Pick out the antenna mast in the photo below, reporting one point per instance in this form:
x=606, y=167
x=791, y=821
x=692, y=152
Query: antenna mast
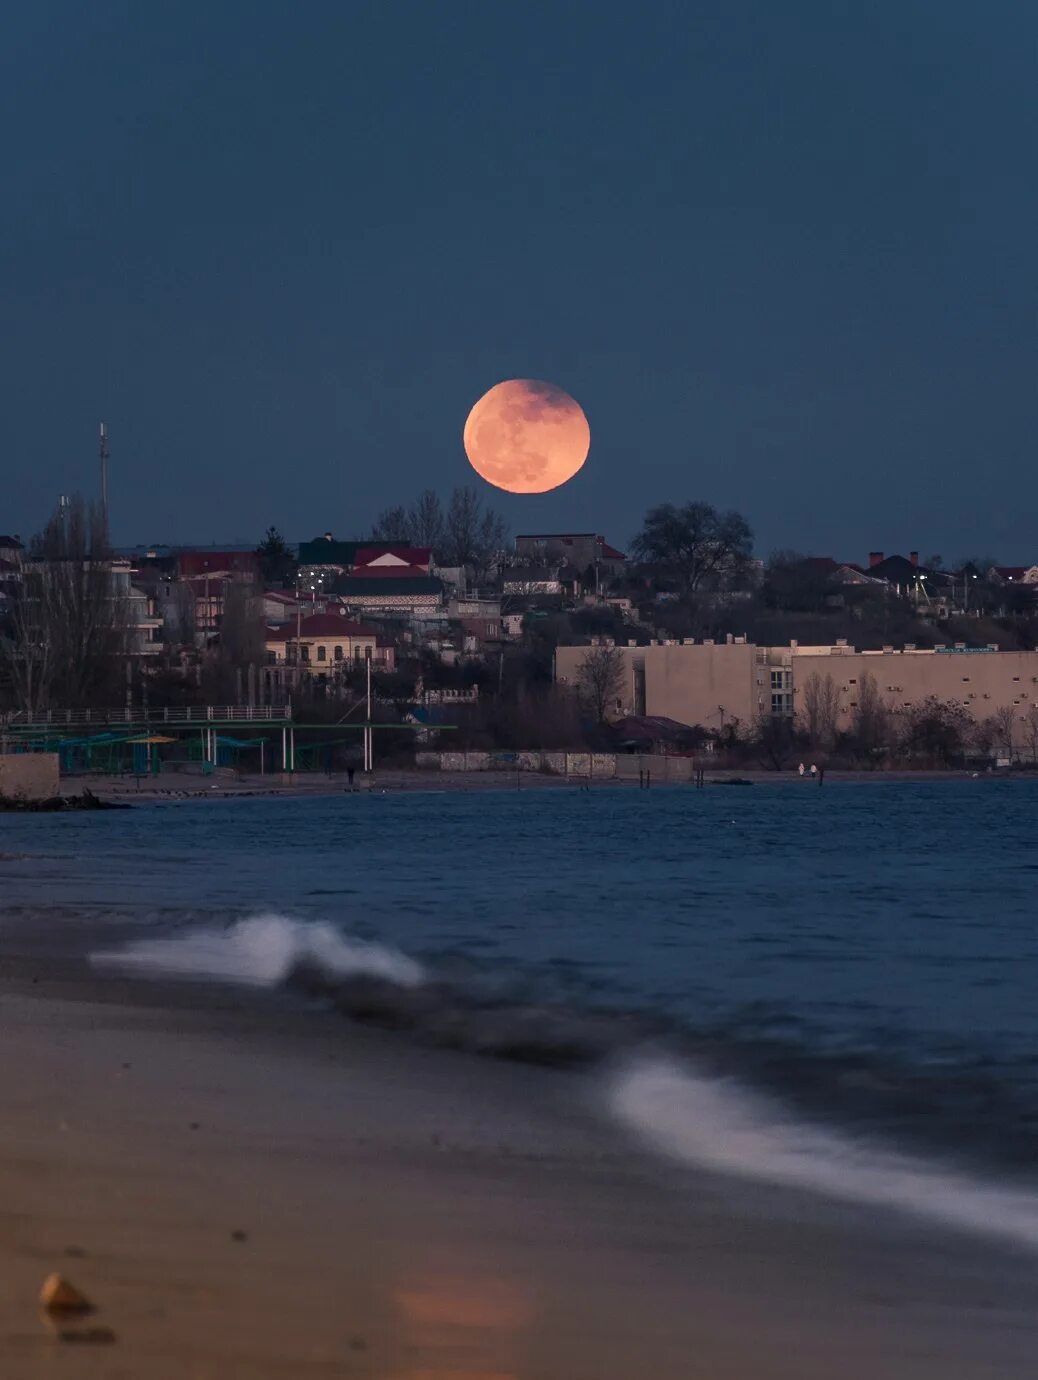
x=104, y=472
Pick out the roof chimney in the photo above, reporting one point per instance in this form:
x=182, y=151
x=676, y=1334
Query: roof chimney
x=874, y=558
x=913, y=556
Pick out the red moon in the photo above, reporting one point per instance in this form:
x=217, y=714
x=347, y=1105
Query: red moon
x=526, y=436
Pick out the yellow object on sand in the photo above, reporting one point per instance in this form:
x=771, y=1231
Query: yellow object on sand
x=59, y=1296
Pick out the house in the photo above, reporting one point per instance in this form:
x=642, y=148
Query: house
x=393, y=560
x=1014, y=574
x=840, y=572
x=202, y=563
x=656, y=733
x=11, y=550
x=324, y=641
x=403, y=593
x=325, y=553
x=585, y=550
x=278, y=607
x=542, y=579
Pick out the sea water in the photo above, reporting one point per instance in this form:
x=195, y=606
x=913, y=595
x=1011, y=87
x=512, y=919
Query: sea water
x=779, y=980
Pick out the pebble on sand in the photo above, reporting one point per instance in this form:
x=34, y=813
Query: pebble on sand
x=59, y=1296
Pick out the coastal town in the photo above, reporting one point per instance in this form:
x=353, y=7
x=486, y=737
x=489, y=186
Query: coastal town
x=434, y=638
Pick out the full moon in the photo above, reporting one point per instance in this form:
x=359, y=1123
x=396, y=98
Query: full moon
x=526, y=436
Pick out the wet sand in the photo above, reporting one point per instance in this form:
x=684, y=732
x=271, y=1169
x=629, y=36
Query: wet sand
x=250, y=1189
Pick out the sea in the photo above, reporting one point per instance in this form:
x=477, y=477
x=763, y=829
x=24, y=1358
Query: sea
x=834, y=989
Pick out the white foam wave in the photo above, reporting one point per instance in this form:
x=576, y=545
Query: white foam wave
x=261, y=951
x=716, y=1124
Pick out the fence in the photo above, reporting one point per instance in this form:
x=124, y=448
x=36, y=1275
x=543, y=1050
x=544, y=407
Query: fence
x=594, y=766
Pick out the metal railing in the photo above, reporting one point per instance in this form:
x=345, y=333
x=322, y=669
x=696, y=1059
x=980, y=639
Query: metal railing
x=183, y=714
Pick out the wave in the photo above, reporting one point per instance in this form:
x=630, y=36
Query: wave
x=264, y=951
x=698, y=1117
x=716, y=1124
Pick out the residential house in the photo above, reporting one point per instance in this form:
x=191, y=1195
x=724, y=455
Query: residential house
x=391, y=559
x=208, y=573
x=585, y=550
x=556, y=579
x=279, y=607
x=416, y=595
x=11, y=551
x=1014, y=574
x=325, y=642
x=325, y=553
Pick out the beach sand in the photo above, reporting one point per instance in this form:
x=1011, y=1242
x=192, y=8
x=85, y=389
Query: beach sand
x=230, y=784
x=246, y=1188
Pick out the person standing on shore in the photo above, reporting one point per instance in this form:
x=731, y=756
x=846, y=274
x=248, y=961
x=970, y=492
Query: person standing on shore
x=349, y=778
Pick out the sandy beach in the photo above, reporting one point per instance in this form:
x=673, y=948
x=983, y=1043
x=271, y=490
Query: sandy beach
x=230, y=784
x=248, y=1188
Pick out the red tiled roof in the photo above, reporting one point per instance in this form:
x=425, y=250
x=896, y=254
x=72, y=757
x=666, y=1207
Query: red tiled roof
x=206, y=562
x=611, y=553
x=391, y=572
x=319, y=625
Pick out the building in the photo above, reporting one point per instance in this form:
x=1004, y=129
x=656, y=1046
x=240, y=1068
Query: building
x=581, y=549
x=705, y=683
x=392, y=560
x=323, y=641
x=278, y=607
x=1003, y=574
x=551, y=579
x=716, y=684
x=410, y=594
x=11, y=550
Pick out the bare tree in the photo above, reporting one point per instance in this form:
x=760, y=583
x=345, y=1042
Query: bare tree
x=392, y=524
x=600, y=679
x=425, y=521
x=473, y=534
x=695, y=544
x=467, y=534
x=1004, y=723
x=775, y=740
x=180, y=616
x=871, y=717
x=1031, y=731
x=821, y=709
x=241, y=627
x=68, y=626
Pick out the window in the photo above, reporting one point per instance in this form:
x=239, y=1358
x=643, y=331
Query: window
x=322, y=653
x=304, y=652
x=852, y=682
x=338, y=654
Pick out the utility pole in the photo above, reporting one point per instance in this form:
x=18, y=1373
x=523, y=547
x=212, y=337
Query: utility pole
x=104, y=473
x=369, y=764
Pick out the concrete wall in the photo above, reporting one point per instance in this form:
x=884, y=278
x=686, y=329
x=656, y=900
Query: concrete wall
x=694, y=683
x=32, y=775
x=691, y=683
x=980, y=681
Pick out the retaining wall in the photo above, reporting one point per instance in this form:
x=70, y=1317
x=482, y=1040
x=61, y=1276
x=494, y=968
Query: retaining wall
x=30, y=775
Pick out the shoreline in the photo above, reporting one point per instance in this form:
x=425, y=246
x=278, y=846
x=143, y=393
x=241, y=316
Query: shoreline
x=177, y=786
x=248, y=1187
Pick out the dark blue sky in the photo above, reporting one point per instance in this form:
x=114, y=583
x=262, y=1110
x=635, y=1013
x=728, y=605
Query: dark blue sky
x=784, y=254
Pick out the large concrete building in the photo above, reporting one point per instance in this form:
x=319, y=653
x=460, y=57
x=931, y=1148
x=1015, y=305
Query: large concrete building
x=712, y=684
